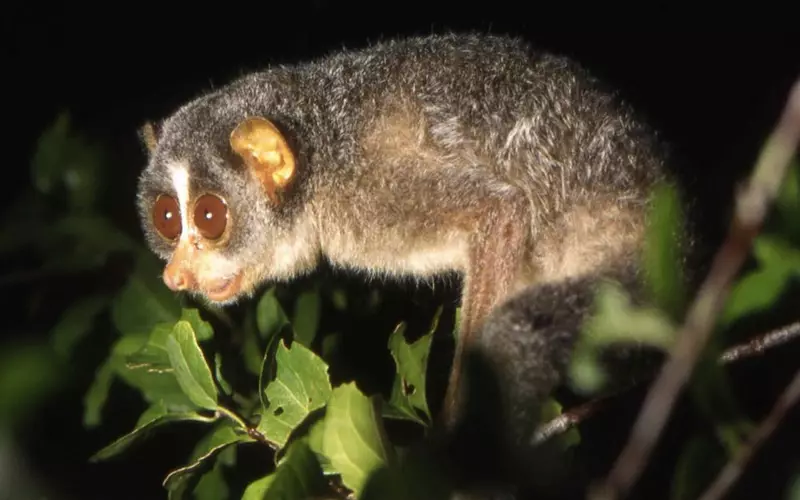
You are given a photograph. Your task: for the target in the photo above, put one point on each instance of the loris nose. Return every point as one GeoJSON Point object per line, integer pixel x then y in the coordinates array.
{"type": "Point", "coordinates": [177, 278]}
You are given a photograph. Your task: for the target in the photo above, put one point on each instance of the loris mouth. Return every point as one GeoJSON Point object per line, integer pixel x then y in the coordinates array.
{"type": "Point", "coordinates": [223, 290]}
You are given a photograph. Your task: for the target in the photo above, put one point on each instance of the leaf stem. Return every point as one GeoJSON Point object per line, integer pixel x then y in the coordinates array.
{"type": "Point", "coordinates": [221, 410]}
{"type": "Point", "coordinates": [251, 431]}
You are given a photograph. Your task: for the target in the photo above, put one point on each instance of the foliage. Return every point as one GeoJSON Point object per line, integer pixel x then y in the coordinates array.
{"type": "Point", "coordinates": [276, 390]}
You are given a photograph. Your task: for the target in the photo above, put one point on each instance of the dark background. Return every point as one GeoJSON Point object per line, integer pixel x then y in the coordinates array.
{"type": "Point", "coordinates": [713, 93]}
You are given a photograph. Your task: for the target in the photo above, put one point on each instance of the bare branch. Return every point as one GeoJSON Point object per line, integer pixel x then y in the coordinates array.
{"type": "Point", "coordinates": [570, 419]}
{"type": "Point", "coordinates": [752, 204]}
{"type": "Point", "coordinates": [731, 472]}
{"type": "Point", "coordinates": [761, 343]}
{"type": "Point", "coordinates": [754, 347]}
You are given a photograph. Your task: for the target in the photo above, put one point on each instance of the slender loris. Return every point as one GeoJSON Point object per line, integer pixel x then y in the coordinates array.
{"type": "Point", "coordinates": [412, 157]}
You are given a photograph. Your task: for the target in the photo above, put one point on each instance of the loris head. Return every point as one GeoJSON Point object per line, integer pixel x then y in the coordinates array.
{"type": "Point", "coordinates": [216, 202]}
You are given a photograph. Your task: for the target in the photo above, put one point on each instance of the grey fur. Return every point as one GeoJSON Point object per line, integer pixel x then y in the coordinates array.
{"type": "Point", "coordinates": [448, 152]}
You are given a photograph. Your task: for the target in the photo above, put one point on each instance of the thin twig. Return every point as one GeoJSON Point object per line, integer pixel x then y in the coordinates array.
{"type": "Point", "coordinates": [570, 418]}
{"type": "Point", "coordinates": [731, 472]}
{"type": "Point", "coordinates": [752, 205]}
{"type": "Point", "coordinates": [762, 343]}
{"type": "Point", "coordinates": [753, 347]}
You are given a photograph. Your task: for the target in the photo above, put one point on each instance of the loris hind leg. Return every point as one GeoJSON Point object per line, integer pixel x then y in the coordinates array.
{"type": "Point", "coordinates": [515, 361]}
{"type": "Point", "coordinates": [497, 249]}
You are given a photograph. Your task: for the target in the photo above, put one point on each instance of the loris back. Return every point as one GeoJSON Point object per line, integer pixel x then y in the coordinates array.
{"type": "Point", "coordinates": [400, 140]}
{"type": "Point", "coordinates": [412, 157]}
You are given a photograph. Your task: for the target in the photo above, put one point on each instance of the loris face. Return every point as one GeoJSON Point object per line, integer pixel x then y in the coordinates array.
{"type": "Point", "coordinates": [210, 206]}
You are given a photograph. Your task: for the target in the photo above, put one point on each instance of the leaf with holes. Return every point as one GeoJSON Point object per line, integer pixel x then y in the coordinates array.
{"type": "Point", "coordinates": [411, 360]}
{"type": "Point", "coordinates": [301, 386]}
{"type": "Point", "coordinates": [354, 439]}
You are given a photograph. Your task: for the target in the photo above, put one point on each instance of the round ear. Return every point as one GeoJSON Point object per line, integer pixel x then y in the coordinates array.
{"type": "Point", "coordinates": [148, 135]}
{"type": "Point", "coordinates": [266, 153]}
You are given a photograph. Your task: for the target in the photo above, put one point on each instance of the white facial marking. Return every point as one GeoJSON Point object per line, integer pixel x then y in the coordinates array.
{"type": "Point", "coordinates": [179, 172]}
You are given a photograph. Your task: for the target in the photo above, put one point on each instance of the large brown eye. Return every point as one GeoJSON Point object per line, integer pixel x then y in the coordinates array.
{"type": "Point", "coordinates": [210, 216]}
{"type": "Point", "coordinates": [167, 217]}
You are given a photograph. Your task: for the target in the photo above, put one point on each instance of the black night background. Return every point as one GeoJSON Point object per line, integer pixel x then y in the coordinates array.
{"type": "Point", "coordinates": [714, 93]}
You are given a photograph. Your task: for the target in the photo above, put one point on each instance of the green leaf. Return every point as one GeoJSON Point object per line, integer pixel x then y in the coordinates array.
{"type": "Point", "coordinates": [314, 439]}
{"type": "Point", "coordinates": [774, 251]}
{"type": "Point", "coordinates": [64, 159]}
{"type": "Point", "coordinates": [149, 370]}
{"type": "Point", "coordinates": [96, 396]}
{"type": "Point", "coordinates": [306, 317]}
{"type": "Point", "coordinates": [28, 373]}
{"type": "Point", "coordinates": [298, 475]}
{"type": "Point", "coordinates": [82, 242]}
{"type": "Point", "coordinates": [212, 485]}
{"type": "Point", "coordinates": [618, 321]}
{"type": "Point", "coordinates": [180, 481]}
{"type": "Point", "coordinates": [712, 393]}
{"type": "Point", "coordinates": [301, 386]}
{"type": "Point", "coordinates": [354, 440]}
{"type": "Point", "coordinates": [76, 322]}
{"type": "Point", "coordinates": [586, 374]}
{"type": "Point", "coordinates": [700, 461]}
{"type": "Point", "coordinates": [218, 373]}
{"type": "Point", "coordinates": [794, 489]}
{"type": "Point", "coordinates": [419, 474]}
{"type": "Point", "coordinates": [257, 490]}
{"type": "Point", "coordinates": [270, 316]}
{"type": "Point", "coordinates": [191, 369]}
{"type": "Point", "coordinates": [202, 328]}
{"type": "Point", "coordinates": [615, 320]}
{"type": "Point", "coordinates": [331, 346]}
{"type": "Point", "coordinates": [411, 362]}
{"type": "Point", "coordinates": [252, 354]}
{"type": "Point", "coordinates": [339, 299]}
{"type": "Point", "coordinates": [787, 205]}
{"type": "Point", "coordinates": [144, 301]}
{"type": "Point", "coordinates": [662, 252]}
{"type": "Point", "coordinates": [753, 293]}
{"type": "Point", "coordinates": [154, 417]}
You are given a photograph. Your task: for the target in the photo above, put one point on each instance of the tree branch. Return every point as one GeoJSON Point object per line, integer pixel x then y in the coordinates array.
{"type": "Point", "coordinates": [731, 472]}
{"type": "Point", "coordinates": [754, 347]}
{"type": "Point", "coordinates": [752, 204]}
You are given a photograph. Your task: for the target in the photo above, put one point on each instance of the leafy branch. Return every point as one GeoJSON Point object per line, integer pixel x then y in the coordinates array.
{"type": "Point", "coordinates": [756, 346]}
{"type": "Point", "coordinates": [752, 204]}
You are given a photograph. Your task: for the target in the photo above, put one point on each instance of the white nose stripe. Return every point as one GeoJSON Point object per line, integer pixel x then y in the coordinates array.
{"type": "Point", "coordinates": [179, 172]}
